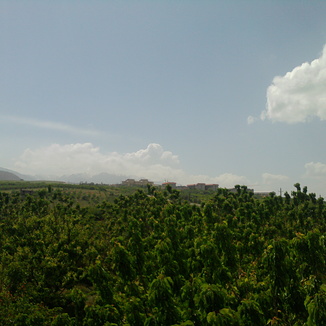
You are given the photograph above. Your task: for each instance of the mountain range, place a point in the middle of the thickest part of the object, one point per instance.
(8, 176)
(105, 178)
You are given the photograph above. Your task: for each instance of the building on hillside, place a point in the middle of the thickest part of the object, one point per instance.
(133, 182)
(203, 186)
(200, 186)
(213, 187)
(144, 182)
(173, 185)
(128, 182)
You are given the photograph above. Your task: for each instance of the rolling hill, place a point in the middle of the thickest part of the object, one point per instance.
(8, 176)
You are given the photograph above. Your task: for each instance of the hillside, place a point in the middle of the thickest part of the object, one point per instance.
(8, 176)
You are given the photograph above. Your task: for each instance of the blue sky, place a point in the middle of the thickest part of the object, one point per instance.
(221, 92)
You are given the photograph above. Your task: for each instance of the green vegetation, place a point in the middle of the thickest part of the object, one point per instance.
(97, 256)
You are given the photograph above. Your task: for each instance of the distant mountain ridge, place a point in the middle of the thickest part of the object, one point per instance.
(8, 176)
(105, 178)
(16, 174)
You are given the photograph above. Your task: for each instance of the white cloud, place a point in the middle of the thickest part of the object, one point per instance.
(230, 179)
(152, 162)
(50, 125)
(315, 170)
(251, 120)
(152, 154)
(80, 158)
(270, 179)
(299, 95)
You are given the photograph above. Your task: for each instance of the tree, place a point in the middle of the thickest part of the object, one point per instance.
(162, 301)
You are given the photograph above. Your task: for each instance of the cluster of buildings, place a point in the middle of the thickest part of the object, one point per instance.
(133, 182)
(197, 186)
(173, 185)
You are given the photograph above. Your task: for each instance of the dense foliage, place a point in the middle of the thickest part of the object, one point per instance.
(152, 258)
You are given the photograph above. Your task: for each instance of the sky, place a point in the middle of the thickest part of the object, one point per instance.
(227, 92)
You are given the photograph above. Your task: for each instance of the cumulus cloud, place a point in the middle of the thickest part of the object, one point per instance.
(86, 158)
(230, 179)
(152, 154)
(299, 95)
(315, 170)
(270, 179)
(153, 163)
